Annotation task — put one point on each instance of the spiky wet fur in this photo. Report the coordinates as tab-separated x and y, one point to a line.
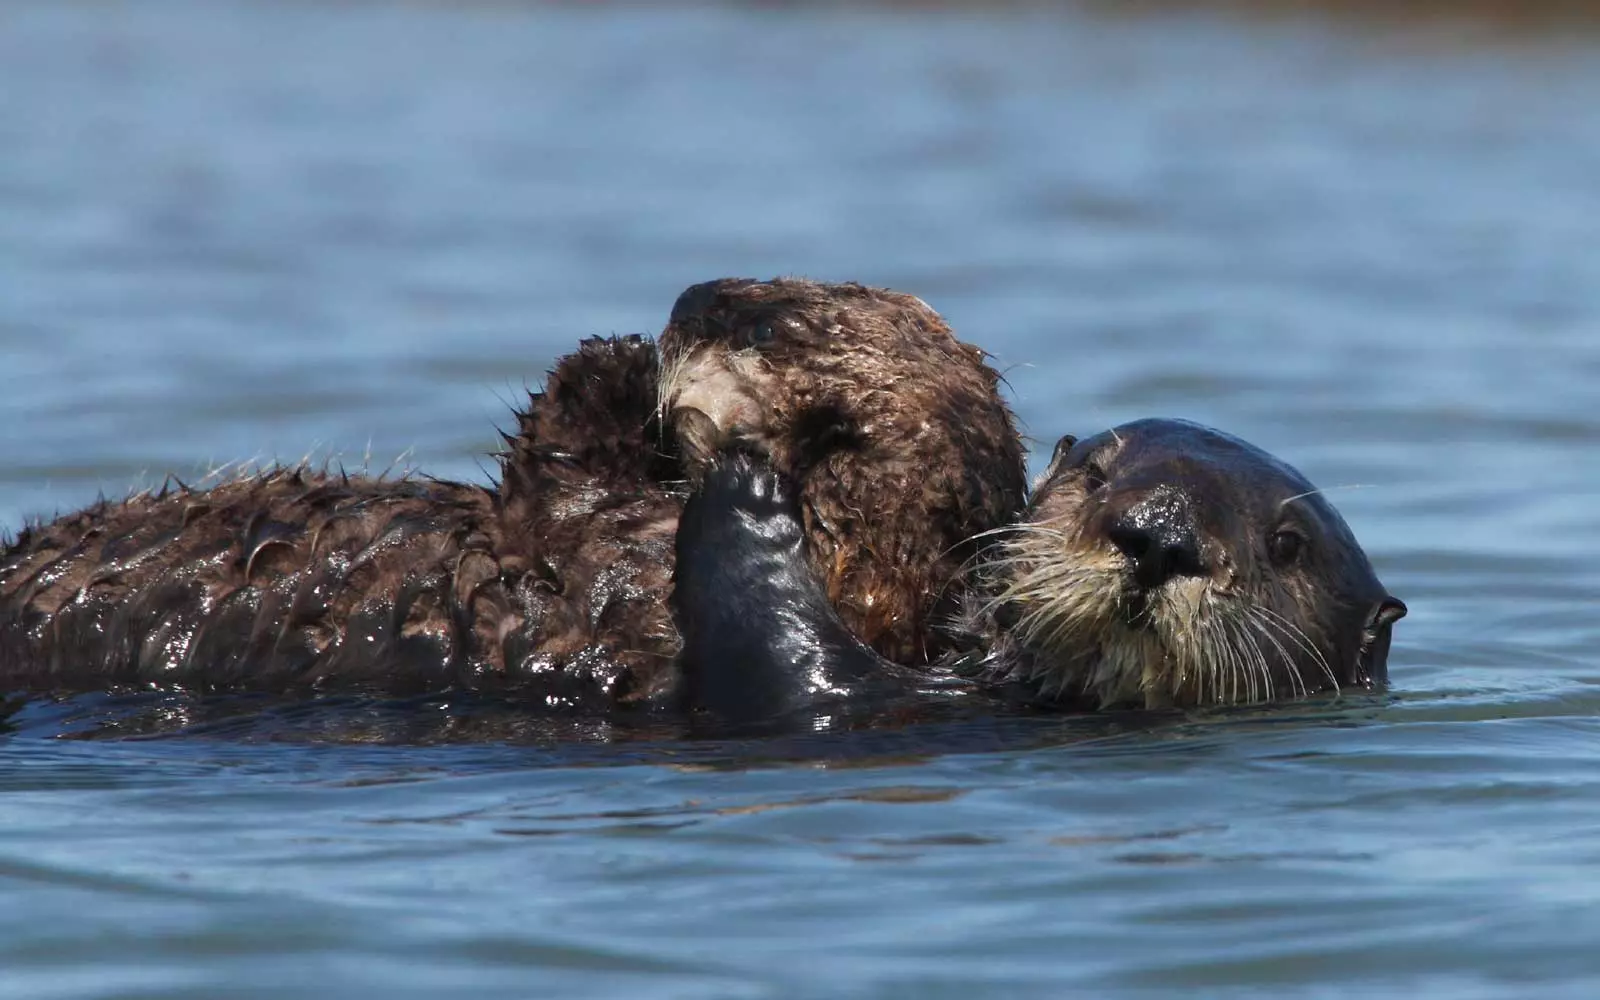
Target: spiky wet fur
550	586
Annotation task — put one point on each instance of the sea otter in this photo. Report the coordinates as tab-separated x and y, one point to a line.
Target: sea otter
1159	564
551	585
892	430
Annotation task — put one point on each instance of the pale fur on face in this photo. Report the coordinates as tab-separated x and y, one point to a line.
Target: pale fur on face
1193	643
728	387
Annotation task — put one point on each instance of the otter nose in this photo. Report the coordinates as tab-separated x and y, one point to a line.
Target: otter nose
1159	538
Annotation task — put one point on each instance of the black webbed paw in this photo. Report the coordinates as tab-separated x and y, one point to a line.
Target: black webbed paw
742	501
760	639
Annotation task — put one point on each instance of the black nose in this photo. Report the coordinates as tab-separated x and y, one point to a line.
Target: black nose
1159	537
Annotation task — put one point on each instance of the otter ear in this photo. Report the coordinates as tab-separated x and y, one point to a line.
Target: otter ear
1062	447
1374	656
1059	455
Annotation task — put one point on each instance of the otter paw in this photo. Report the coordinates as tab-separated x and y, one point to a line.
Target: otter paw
743	507
748	483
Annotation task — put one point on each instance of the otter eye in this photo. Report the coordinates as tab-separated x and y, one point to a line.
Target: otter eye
1094	477
1285	546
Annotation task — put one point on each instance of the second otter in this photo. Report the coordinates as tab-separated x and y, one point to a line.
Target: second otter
1159	564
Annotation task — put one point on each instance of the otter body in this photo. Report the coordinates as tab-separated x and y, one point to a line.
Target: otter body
549	586
552	585
1158	564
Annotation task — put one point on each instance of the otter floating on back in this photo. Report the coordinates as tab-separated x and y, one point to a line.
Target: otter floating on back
1159	564
551	586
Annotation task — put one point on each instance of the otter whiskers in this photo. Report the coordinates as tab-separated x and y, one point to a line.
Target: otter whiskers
1188	643
669	383
1296	634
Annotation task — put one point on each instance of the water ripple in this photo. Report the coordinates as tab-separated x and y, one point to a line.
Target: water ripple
1361	237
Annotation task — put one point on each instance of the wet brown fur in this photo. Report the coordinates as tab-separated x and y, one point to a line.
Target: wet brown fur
550	586
893	430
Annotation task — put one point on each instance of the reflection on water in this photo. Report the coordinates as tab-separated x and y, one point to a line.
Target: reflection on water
248	230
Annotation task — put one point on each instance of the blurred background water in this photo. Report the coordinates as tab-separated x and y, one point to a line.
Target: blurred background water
1361	235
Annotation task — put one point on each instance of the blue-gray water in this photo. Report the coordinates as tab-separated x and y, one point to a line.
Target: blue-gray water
236	230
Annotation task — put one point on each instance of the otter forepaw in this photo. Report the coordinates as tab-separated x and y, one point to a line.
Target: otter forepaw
745	484
760	639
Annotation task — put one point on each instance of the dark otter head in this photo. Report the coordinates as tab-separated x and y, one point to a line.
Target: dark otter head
802	369
1165	563
892	428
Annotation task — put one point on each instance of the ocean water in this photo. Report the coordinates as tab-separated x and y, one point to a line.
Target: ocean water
247	230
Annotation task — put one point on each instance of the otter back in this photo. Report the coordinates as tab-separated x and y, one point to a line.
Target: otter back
551	587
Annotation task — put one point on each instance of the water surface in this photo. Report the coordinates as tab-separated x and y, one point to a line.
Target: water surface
251	230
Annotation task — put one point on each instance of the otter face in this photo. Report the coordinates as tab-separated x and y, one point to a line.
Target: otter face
1167	564
894	432
796	368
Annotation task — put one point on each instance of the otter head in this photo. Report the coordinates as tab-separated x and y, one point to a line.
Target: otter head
804	369
893	430
1163	563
